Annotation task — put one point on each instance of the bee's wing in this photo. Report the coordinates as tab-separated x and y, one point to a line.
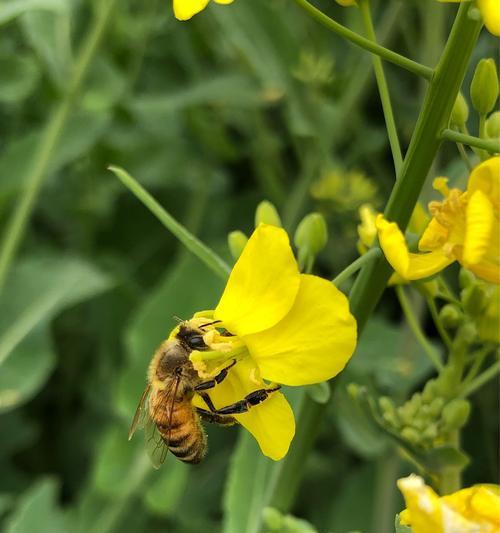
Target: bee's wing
141	413
156	444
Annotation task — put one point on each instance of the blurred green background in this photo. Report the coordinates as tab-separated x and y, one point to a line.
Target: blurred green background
246	102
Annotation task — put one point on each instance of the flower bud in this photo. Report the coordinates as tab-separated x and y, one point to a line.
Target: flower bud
429	392
450	316
484	86
430	432
455	414
236	241
466	278
493	125
353	389
435	407
311	233
460	112
272	518
266	213
388	409
446	383
411	435
466	334
474	299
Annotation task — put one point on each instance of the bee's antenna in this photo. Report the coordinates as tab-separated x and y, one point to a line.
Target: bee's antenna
177	319
209	324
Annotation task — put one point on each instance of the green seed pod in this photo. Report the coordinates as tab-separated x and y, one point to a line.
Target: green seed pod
236	241
266	213
460	112
411	435
450	316
455	414
493	125
311	234
466	278
474	299
484	86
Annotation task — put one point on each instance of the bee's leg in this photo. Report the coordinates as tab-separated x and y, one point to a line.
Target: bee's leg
214	418
211	383
208	401
254	398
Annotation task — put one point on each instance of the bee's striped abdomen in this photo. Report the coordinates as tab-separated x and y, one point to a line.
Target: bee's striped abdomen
185	437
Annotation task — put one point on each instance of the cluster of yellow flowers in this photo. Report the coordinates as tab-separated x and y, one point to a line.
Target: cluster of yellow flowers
465	227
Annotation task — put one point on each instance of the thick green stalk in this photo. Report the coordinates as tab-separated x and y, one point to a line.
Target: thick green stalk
489	145
363	42
424	145
383	89
45	149
194	245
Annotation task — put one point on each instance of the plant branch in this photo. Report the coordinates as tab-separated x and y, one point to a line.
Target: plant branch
356	265
483	378
383	89
367	44
490	145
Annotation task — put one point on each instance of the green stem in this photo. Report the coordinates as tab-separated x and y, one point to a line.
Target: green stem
437	322
483	378
489	145
367	44
383	89
356	265
286	478
194	245
17	223
464	156
416	329
424	145
450	479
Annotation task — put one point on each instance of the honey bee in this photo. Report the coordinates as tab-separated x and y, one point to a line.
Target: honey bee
166	411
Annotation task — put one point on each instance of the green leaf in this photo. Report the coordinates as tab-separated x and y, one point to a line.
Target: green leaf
166	491
38	511
82	131
20	75
10	9
443	457
37	290
49	34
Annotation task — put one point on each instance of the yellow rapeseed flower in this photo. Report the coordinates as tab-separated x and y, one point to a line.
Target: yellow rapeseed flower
281	326
490	11
472	510
465	227
185	9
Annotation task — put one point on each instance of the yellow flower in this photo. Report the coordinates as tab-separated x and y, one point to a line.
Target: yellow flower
490	11
185	9
281	326
472	510
465	227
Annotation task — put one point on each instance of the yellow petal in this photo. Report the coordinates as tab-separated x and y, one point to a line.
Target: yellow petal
185	9
490	11
271	423
486	178
223	1
479	504
434	236
408	265
479	225
313	342
427	513
486	270
263	283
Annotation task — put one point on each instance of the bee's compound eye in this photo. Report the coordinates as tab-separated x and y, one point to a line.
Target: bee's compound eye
196	342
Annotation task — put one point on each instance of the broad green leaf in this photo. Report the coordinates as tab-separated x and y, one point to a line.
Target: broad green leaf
38	511
48	32
10	9
37	290
20	75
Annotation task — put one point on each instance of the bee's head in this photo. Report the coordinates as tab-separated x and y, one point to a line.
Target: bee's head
173	354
